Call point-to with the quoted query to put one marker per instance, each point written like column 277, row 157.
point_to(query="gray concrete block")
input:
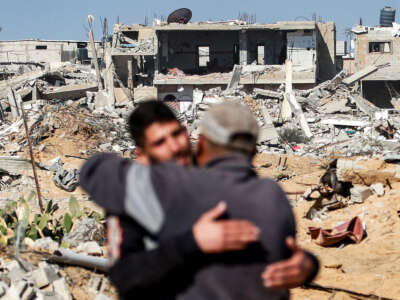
column 41, row 278
column 16, row 291
column 359, row 194
column 3, row 288
column 29, row 293
column 95, row 284
column 46, row 244
column 378, row 189
column 16, row 274
column 60, row 287
column 11, row 265
column 102, row 297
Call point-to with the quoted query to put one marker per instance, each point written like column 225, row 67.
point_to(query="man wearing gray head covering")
column 167, row 199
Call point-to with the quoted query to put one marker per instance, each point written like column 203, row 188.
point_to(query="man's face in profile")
column 165, row 141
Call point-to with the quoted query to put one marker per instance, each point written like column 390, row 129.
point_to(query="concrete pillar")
column 164, row 49
column 13, row 103
column 35, row 95
column 108, row 74
column 131, row 84
column 243, row 45
column 156, row 56
column 286, row 111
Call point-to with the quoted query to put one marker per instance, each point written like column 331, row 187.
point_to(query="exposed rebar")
column 32, row 159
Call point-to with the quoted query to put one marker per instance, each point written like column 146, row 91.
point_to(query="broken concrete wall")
column 326, row 50
column 42, row 51
column 180, row 49
column 348, row 65
column 379, row 93
column 274, row 43
column 364, row 56
column 301, row 48
column 143, row 65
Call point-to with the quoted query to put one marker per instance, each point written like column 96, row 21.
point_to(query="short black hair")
column 145, row 114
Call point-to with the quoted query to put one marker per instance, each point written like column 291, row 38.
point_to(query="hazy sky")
column 66, row 19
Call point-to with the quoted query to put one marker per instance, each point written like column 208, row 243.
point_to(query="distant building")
column 379, row 46
column 45, row 51
column 341, row 51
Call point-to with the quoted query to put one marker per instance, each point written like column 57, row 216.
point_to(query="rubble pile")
column 341, row 122
column 24, row 279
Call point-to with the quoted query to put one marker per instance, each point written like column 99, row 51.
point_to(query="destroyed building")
column 177, row 58
column 36, row 53
column 379, row 46
column 341, row 52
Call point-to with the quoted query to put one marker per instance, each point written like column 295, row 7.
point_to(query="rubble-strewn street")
column 335, row 153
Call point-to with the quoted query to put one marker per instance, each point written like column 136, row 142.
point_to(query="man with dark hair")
column 228, row 137
column 158, row 135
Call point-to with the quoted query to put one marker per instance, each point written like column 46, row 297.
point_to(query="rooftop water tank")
column 388, row 16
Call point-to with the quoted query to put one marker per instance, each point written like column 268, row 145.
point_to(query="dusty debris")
column 14, row 165
column 66, row 180
column 46, row 245
column 90, row 248
column 367, row 172
column 87, row 230
column 359, row 194
column 378, row 189
column 360, row 74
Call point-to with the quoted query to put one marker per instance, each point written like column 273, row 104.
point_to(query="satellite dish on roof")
column 182, row 16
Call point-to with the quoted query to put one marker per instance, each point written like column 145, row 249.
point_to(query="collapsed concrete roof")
column 224, row 25
column 46, row 41
column 290, row 25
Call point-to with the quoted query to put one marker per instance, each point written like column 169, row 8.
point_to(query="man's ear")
column 141, row 157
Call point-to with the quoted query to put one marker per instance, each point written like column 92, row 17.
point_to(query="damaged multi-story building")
column 170, row 61
column 377, row 51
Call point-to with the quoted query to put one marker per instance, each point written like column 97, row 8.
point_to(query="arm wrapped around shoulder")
column 103, row 177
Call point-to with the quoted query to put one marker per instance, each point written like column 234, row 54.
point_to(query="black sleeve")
column 279, row 225
column 103, row 177
column 145, row 272
column 315, row 265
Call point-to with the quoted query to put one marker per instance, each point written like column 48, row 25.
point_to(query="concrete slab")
column 71, row 92
column 344, row 122
column 14, row 165
column 268, row 93
column 60, row 287
column 360, row 74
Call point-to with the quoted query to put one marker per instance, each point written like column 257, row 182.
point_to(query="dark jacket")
column 166, row 200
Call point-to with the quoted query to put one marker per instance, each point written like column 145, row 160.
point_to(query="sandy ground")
column 371, row 267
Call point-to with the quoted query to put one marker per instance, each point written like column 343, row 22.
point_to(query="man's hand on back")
column 216, row 236
column 289, row 273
